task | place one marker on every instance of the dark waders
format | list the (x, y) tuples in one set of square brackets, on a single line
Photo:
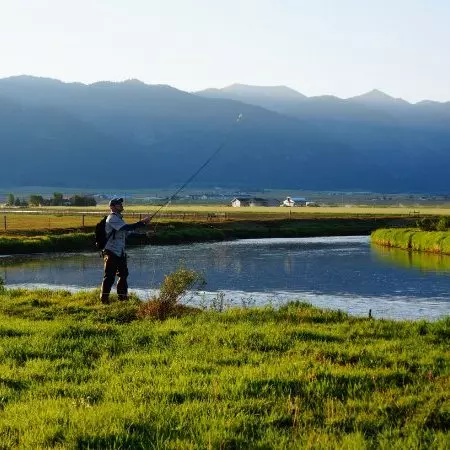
[(114, 265)]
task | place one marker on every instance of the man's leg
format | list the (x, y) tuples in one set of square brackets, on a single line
[(109, 274), (122, 283)]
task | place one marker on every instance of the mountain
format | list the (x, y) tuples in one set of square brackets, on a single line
[(377, 97), (274, 98), (135, 135)]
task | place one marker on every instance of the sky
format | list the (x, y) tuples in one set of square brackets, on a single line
[(317, 47)]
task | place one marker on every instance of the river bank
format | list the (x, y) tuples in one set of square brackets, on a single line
[(77, 374), (413, 239), (38, 241)]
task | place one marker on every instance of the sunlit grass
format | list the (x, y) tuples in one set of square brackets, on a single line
[(78, 374), (60, 218), (413, 239)]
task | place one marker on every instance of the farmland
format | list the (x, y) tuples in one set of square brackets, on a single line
[(55, 218)]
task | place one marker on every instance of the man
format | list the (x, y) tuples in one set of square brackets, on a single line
[(114, 255)]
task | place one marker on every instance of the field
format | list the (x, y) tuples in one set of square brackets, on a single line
[(77, 374), (63, 218)]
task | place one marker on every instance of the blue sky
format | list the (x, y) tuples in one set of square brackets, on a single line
[(341, 47)]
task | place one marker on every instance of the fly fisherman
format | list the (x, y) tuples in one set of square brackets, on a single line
[(114, 255)]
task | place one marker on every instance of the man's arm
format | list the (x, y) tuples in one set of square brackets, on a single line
[(133, 226)]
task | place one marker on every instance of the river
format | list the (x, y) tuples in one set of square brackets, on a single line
[(333, 272)]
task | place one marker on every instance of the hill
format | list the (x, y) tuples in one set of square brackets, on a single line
[(131, 134)]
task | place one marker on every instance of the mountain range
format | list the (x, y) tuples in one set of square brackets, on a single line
[(135, 135)]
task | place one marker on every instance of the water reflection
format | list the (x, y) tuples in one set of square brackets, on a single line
[(432, 262), (338, 272)]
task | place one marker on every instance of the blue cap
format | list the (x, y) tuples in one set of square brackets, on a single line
[(115, 201)]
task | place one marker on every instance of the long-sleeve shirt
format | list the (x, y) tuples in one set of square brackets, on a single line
[(117, 231)]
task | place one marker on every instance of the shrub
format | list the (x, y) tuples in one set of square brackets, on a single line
[(427, 224), (174, 286), (443, 224), (434, 223)]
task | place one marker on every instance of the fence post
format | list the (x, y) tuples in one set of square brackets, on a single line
[(82, 220), (4, 222)]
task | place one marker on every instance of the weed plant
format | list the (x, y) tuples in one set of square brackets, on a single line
[(78, 374), (167, 302)]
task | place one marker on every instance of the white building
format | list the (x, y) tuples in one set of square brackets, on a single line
[(294, 201)]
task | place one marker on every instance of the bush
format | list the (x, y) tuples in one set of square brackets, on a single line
[(443, 224), (174, 286), (427, 224), (434, 223)]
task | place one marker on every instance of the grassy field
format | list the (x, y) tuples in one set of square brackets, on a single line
[(63, 218), (78, 374)]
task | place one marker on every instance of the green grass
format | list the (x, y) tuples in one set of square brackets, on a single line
[(78, 374), (59, 240), (413, 239)]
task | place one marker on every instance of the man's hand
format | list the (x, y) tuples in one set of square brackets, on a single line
[(145, 220)]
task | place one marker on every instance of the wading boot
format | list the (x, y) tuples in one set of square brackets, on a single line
[(104, 298)]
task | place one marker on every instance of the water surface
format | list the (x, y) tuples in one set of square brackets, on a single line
[(333, 272)]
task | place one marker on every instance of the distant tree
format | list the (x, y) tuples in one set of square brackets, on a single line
[(36, 200), (10, 200), (82, 200), (57, 199), (17, 202)]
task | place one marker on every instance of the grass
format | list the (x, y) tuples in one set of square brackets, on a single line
[(413, 239), (53, 218), (178, 232), (78, 374)]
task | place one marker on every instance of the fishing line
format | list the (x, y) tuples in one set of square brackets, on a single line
[(211, 157), (201, 167)]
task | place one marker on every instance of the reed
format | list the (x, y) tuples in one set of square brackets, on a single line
[(413, 239)]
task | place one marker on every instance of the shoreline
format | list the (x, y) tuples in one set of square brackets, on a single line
[(413, 239), (172, 233), (358, 307)]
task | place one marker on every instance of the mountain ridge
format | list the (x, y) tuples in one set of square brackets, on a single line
[(51, 131)]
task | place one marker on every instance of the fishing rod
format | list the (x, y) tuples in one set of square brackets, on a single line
[(211, 157)]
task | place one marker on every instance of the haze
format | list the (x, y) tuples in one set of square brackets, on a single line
[(343, 48)]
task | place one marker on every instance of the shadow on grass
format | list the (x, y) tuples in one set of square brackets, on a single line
[(16, 385)]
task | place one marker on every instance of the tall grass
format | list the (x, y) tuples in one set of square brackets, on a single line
[(78, 374), (413, 239)]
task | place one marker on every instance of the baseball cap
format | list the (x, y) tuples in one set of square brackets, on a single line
[(115, 201)]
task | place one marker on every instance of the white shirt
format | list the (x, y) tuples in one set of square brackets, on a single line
[(116, 243)]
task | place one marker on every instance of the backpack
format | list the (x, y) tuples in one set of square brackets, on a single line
[(101, 239)]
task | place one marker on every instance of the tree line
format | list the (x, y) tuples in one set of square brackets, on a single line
[(58, 199)]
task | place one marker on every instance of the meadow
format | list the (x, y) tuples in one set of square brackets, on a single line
[(53, 218), (78, 374)]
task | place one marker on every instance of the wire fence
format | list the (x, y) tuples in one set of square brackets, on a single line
[(34, 220), (39, 220)]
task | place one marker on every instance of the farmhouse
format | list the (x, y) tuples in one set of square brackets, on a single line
[(294, 201), (253, 201)]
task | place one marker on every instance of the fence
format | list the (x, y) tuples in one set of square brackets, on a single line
[(38, 220)]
